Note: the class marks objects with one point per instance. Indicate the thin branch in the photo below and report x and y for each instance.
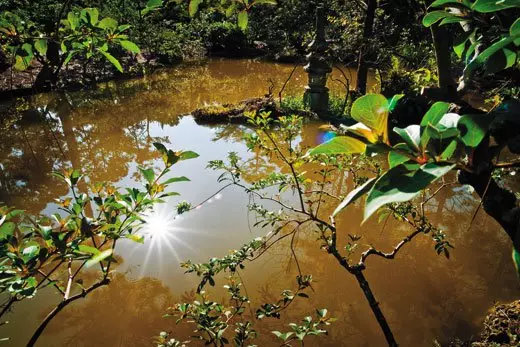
(507, 165)
(69, 282)
(391, 255)
(285, 84)
(61, 306)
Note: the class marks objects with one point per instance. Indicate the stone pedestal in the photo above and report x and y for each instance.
(316, 93)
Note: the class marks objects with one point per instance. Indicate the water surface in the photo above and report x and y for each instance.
(109, 132)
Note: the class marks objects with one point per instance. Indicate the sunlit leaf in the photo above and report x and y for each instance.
(99, 257)
(372, 110)
(130, 46)
(340, 145)
(402, 183)
(411, 135)
(474, 127)
(354, 195)
(243, 20)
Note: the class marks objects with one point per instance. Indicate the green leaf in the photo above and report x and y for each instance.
(243, 20)
(486, 54)
(73, 20)
(130, 46)
(322, 313)
(7, 230)
(435, 16)
(411, 135)
(69, 57)
(148, 174)
(112, 60)
(188, 155)
(473, 128)
(154, 4)
(41, 46)
(514, 31)
(402, 183)
(372, 110)
(93, 15)
(99, 257)
(265, 2)
(393, 102)
(88, 249)
(449, 150)
(194, 7)
(30, 251)
(354, 195)
(396, 158)
(516, 260)
(108, 23)
(499, 61)
(435, 113)
(176, 179)
(454, 3)
(454, 19)
(486, 6)
(340, 145)
(460, 42)
(135, 238)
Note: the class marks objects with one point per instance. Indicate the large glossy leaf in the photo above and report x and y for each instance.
(340, 145)
(454, 3)
(402, 183)
(354, 195)
(486, 6)
(435, 16)
(7, 230)
(435, 113)
(460, 42)
(362, 130)
(474, 127)
(398, 156)
(372, 110)
(486, 54)
(393, 102)
(411, 135)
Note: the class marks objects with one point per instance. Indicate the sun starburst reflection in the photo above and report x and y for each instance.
(163, 237)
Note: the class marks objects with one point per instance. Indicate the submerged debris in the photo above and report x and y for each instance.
(501, 328)
(235, 113)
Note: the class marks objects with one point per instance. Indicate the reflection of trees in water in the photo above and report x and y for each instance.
(125, 313)
(56, 136)
(425, 295)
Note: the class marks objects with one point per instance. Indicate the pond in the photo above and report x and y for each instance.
(109, 132)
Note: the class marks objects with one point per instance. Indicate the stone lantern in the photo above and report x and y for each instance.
(316, 93)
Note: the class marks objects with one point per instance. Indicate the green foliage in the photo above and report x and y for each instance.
(443, 141)
(242, 8)
(34, 249)
(81, 33)
(485, 48)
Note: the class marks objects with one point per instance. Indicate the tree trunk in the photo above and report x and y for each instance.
(365, 49)
(442, 42)
(376, 310)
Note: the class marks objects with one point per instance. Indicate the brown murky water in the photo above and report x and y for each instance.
(109, 132)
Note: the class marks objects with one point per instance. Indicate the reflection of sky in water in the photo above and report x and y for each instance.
(425, 297)
(324, 136)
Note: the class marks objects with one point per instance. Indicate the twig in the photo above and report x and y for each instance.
(286, 82)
